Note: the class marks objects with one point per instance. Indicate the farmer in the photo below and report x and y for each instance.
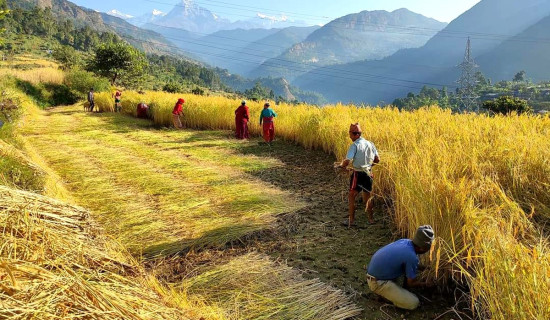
(362, 154)
(91, 99)
(142, 110)
(118, 97)
(242, 114)
(395, 260)
(266, 117)
(177, 113)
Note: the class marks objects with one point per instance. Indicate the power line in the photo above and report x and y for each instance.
(315, 72)
(298, 64)
(466, 34)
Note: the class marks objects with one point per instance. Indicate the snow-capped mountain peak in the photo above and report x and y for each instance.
(118, 14)
(158, 13)
(282, 18)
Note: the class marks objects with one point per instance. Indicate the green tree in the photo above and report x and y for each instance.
(507, 105)
(259, 92)
(3, 12)
(118, 61)
(67, 56)
(520, 76)
(481, 80)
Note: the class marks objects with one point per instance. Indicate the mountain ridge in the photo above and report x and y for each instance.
(489, 23)
(358, 36)
(146, 40)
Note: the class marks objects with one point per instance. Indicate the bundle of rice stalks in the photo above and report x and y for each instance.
(254, 287)
(55, 264)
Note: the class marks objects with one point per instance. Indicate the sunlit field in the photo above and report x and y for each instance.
(155, 192)
(159, 191)
(32, 70)
(482, 182)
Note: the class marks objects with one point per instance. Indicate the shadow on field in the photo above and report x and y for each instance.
(314, 241)
(218, 238)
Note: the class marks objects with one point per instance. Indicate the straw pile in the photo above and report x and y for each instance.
(55, 264)
(254, 287)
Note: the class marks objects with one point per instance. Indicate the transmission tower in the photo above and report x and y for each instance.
(467, 81)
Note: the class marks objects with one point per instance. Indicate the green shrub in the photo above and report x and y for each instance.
(198, 91)
(80, 82)
(61, 94)
(48, 94)
(172, 87)
(507, 105)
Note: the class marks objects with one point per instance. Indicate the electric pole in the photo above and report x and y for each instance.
(467, 82)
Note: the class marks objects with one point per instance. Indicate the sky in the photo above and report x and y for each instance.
(311, 11)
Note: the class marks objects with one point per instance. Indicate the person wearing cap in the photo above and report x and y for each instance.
(362, 154)
(266, 117)
(177, 113)
(395, 260)
(242, 114)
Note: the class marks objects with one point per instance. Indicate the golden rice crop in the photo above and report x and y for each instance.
(36, 76)
(40, 71)
(455, 172)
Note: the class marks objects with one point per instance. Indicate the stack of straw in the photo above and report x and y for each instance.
(55, 264)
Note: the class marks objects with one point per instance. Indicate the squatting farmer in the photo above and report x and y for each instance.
(266, 117)
(362, 154)
(177, 113)
(242, 115)
(91, 99)
(142, 110)
(395, 260)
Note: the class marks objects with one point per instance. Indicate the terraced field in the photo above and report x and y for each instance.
(223, 203)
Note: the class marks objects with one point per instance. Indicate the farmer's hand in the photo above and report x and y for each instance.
(337, 165)
(429, 283)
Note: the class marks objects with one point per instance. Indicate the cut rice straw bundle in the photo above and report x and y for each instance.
(55, 264)
(254, 287)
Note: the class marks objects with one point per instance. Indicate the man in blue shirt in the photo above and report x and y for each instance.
(397, 259)
(362, 154)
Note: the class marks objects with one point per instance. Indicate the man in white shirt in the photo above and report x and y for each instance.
(362, 154)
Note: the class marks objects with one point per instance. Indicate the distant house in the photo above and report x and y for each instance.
(492, 96)
(545, 92)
